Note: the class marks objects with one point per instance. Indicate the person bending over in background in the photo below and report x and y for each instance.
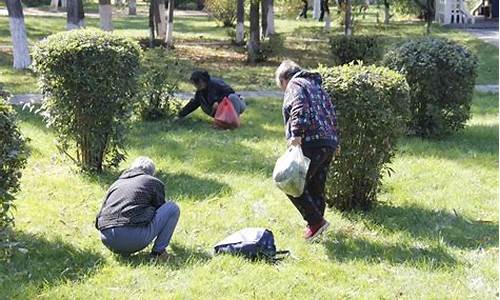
(311, 122)
(303, 12)
(210, 91)
(134, 212)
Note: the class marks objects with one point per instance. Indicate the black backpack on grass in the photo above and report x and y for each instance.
(252, 243)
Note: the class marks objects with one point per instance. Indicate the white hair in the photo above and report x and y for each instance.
(286, 70)
(144, 163)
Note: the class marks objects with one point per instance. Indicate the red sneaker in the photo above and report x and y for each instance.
(313, 232)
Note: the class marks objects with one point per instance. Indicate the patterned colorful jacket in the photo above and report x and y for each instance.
(309, 112)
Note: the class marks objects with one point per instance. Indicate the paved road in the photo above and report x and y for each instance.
(489, 35)
(37, 98)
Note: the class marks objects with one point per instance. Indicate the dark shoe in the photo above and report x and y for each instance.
(312, 232)
(160, 256)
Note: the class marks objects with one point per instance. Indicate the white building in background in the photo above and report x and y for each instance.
(452, 12)
(449, 12)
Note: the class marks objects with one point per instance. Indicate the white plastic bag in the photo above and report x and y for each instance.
(290, 171)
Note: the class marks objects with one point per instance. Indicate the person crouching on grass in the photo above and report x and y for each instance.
(210, 91)
(134, 212)
(310, 122)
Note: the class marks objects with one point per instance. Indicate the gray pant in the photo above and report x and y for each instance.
(238, 103)
(129, 239)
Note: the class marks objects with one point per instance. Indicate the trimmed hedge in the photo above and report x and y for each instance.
(89, 79)
(13, 155)
(372, 107)
(346, 49)
(442, 76)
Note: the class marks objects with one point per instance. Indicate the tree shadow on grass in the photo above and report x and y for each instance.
(180, 257)
(183, 185)
(344, 248)
(46, 263)
(448, 227)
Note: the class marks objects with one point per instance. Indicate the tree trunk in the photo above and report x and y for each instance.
(132, 7)
(240, 19)
(200, 4)
(254, 51)
(348, 18)
(64, 3)
(270, 17)
(387, 12)
(156, 15)
(76, 16)
(21, 52)
(152, 5)
(170, 25)
(263, 8)
(328, 21)
(54, 4)
(162, 21)
(105, 15)
(316, 9)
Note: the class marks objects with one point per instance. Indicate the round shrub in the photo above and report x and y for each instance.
(160, 77)
(441, 75)
(372, 107)
(224, 11)
(89, 79)
(346, 49)
(13, 155)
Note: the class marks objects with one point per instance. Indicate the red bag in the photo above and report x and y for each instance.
(226, 116)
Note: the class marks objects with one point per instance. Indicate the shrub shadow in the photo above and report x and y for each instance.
(46, 263)
(449, 227)
(183, 185)
(344, 248)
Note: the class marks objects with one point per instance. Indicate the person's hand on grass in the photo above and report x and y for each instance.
(214, 108)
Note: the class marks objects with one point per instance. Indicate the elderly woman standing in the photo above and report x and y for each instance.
(134, 212)
(310, 121)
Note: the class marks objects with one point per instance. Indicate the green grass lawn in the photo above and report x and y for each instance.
(229, 61)
(433, 236)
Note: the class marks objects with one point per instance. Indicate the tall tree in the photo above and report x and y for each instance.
(264, 8)
(170, 25)
(53, 5)
(76, 16)
(428, 9)
(105, 15)
(348, 17)
(132, 7)
(270, 17)
(162, 21)
(240, 19)
(387, 11)
(21, 53)
(254, 51)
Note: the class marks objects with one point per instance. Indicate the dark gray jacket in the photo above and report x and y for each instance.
(132, 200)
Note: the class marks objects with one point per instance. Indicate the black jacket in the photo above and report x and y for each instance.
(132, 200)
(216, 90)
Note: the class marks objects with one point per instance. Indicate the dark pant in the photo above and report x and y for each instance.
(324, 9)
(311, 204)
(303, 13)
